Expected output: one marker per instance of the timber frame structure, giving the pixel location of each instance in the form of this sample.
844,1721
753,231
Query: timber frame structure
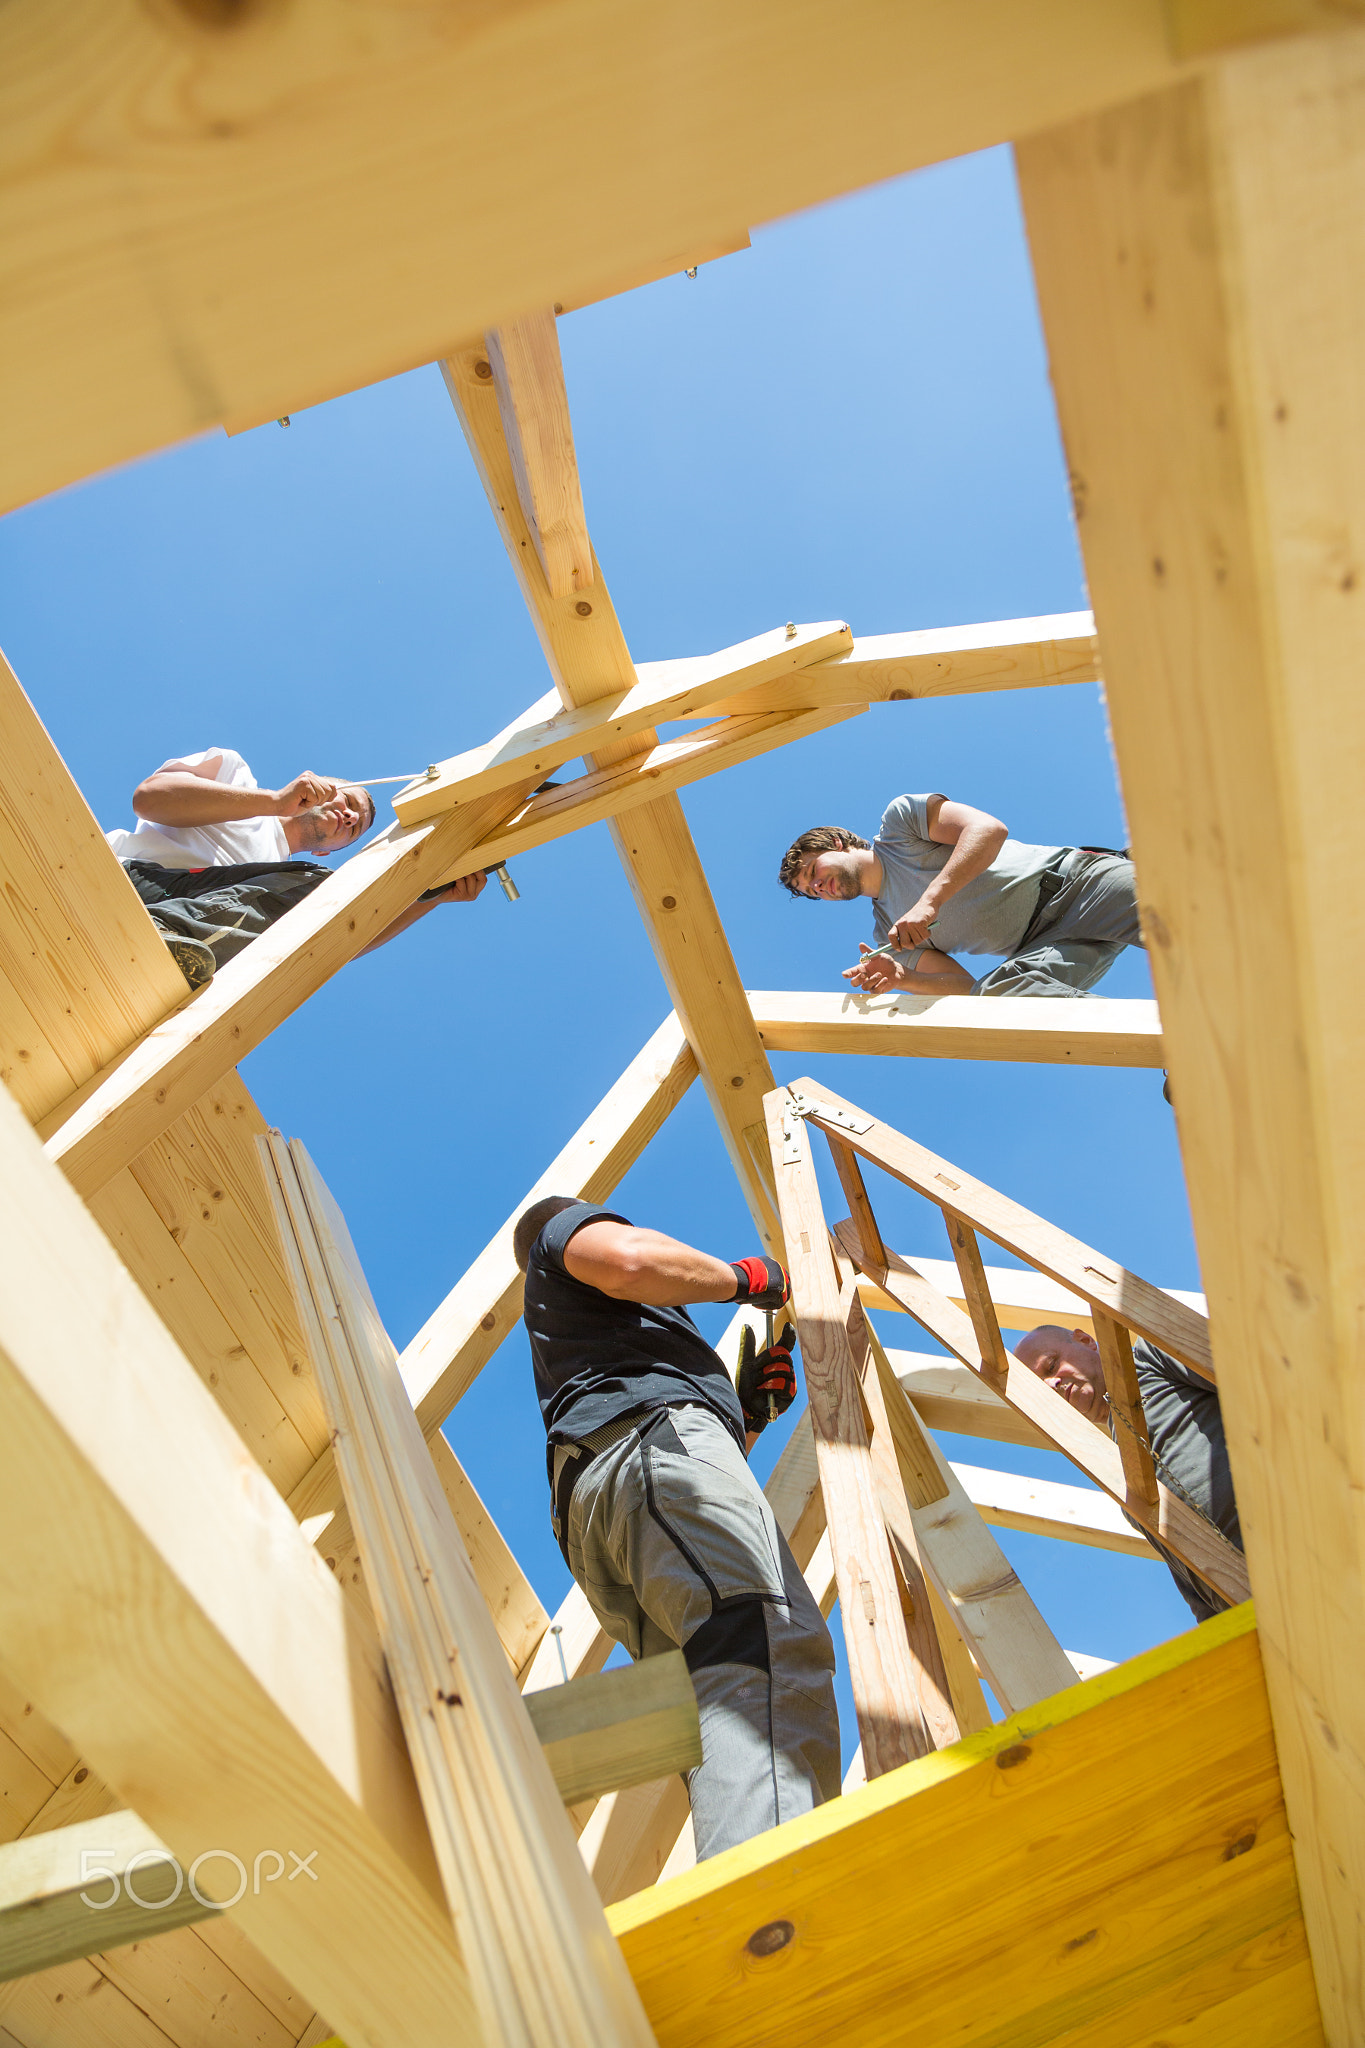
247,1577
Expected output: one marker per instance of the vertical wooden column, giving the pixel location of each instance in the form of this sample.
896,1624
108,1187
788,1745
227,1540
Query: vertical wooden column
543,1967
1200,257
888,1684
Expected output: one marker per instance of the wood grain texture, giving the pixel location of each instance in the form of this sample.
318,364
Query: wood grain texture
1022,1299
894,1721
530,1925
528,375
1188,1836
1209,397
1041,1507
1107,1031
603,1732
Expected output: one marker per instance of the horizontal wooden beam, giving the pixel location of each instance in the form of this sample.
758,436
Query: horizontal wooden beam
948,1396
76,1891
616,1728
192,271
946,661
1041,1507
1038,1030
161,1607
666,690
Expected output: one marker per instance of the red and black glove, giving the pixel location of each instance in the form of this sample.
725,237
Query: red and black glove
766,1380
762,1283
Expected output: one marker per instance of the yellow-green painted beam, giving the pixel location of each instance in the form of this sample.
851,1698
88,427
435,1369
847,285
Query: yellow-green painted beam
1109,1867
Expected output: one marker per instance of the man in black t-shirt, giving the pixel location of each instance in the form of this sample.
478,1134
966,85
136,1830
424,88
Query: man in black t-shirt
656,1511
1184,1425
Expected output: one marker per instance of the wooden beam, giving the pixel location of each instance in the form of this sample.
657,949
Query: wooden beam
529,1923
948,1396
589,660
161,1606
1040,1507
1106,1031
460,1336
537,745
77,1890
158,286
1203,393
946,661
894,1724
1125,1877
107,1123
1193,1539
528,375
1102,1281
1199,27
618,1728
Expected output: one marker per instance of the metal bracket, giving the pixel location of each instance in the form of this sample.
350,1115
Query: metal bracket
826,1113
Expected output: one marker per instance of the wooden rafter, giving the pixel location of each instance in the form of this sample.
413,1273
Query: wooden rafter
1107,1031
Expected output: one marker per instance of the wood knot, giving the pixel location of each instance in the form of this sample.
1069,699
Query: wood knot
773,1936
1018,1753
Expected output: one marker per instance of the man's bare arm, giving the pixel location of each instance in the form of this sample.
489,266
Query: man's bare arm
937,974
976,838
189,796
631,1264
463,891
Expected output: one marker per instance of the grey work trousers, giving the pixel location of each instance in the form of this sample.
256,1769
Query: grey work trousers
1087,913
225,908
674,1545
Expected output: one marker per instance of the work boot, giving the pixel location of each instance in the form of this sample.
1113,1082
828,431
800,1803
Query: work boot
194,959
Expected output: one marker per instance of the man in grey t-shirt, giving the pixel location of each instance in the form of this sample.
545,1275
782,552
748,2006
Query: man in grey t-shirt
1184,1423
945,878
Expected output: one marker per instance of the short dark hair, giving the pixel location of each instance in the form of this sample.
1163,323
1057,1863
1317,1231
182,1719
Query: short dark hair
370,801
533,1220
819,839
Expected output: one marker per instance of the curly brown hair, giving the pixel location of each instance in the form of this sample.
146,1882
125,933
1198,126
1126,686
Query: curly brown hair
819,839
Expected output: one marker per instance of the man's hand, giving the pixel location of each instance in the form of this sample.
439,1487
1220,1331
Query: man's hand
913,929
875,972
762,1283
463,891
766,1381
304,793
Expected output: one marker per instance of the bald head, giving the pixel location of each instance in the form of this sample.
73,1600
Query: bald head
1068,1361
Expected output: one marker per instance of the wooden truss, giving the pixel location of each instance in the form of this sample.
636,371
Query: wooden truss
209,1451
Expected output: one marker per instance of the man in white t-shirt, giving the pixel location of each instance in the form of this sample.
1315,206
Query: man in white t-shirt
211,853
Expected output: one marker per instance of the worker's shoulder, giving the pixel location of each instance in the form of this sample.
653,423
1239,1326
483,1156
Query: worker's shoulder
908,816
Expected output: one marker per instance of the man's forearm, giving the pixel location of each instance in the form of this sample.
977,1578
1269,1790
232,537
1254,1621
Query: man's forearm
180,798
970,857
948,980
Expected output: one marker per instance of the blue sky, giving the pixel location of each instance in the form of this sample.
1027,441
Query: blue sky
851,420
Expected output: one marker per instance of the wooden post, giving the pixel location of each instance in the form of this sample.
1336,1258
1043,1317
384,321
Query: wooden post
892,1718
542,1965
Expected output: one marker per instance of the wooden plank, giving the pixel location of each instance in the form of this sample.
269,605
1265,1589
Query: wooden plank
1196,1542
1041,1507
855,1192
76,2006
964,1680
1023,1299
976,1293
528,376
1008,1637
1188,1835
1125,1406
112,1119
1102,1281
127,268
82,970
589,660
1106,1031
97,1885
183,1984
34,1734
665,690
530,1926
945,661
1234,363
893,1723
162,1608
618,1728
1201,26
460,1336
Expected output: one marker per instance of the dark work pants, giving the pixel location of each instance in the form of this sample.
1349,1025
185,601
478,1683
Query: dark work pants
224,907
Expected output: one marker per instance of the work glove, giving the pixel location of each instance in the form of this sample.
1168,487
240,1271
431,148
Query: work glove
762,1283
766,1381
